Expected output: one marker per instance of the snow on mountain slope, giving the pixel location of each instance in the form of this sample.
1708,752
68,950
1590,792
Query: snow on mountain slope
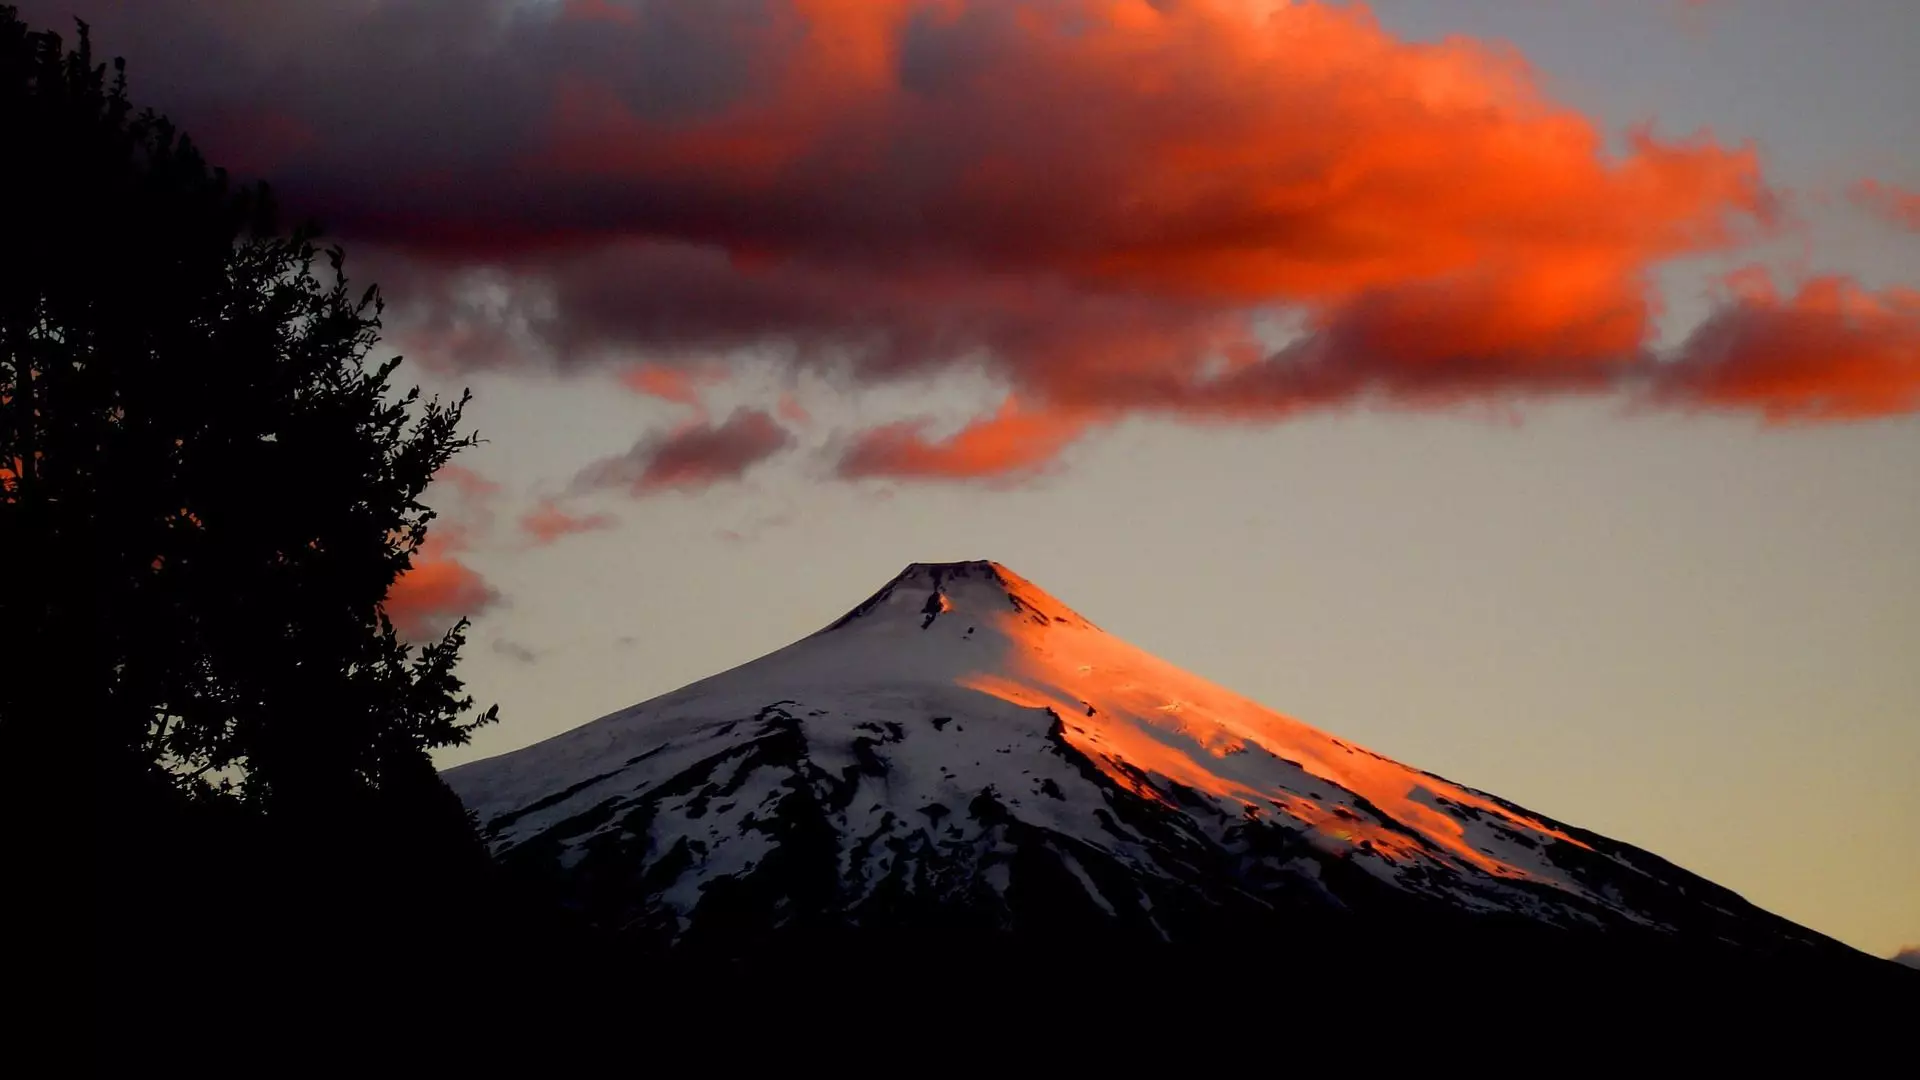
963,746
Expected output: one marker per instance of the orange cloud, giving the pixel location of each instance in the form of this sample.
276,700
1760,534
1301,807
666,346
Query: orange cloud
792,411
547,523
1895,204
1099,202
693,456
1910,956
1239,150
1830,351
1012,441
435,592
666,383
1446,230
438,588
468,483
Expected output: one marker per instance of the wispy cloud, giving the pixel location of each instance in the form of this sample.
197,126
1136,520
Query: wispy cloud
1010,443
514,651
1892,203
547,523
691,457
677,385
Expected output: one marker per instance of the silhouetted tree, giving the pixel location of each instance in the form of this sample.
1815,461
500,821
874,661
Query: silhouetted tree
206,491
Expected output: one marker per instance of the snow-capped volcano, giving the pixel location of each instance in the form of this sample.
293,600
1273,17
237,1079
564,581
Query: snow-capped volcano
963,746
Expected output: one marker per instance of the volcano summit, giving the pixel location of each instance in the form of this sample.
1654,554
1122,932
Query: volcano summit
962,751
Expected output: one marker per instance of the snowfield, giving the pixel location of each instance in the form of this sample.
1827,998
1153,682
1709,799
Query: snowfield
964,746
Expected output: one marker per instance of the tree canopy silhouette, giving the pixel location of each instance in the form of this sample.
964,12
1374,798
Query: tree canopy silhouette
206,486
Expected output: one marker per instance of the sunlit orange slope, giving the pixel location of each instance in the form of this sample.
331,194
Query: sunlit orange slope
1149,725
1133,713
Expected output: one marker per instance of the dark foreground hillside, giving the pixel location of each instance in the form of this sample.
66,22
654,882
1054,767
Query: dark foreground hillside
327,963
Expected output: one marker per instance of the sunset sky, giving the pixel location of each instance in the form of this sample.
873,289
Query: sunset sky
1525,390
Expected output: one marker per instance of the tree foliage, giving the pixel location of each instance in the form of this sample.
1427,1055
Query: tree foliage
206,488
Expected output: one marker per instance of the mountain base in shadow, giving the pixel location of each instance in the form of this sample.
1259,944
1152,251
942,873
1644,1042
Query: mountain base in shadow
354,980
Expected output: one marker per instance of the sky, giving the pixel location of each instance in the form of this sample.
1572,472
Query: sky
1524,390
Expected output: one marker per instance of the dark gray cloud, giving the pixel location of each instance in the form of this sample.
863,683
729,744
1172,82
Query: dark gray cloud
694,456
513,650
